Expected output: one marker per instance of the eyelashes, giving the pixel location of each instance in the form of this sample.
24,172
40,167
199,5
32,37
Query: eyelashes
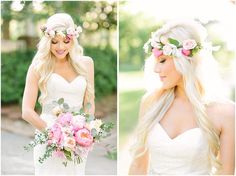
163,61
66,42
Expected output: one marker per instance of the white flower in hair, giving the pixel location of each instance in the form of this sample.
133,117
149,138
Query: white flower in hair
52,33
169,49
146,46
155,44
46,34
70,31
156,36
78,30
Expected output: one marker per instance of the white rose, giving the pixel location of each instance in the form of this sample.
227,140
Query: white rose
79,29
70,31
155,44
78,121
52,33
95,124
156,36
189,44
57,110
169,49
70,143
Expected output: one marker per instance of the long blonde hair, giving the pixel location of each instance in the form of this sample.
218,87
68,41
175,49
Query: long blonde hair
43,62
155,103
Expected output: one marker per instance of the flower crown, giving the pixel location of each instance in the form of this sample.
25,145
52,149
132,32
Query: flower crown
171,47
68,33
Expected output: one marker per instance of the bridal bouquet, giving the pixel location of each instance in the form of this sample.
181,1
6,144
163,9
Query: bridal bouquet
72,135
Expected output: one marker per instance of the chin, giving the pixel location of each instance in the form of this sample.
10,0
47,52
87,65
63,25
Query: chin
166,86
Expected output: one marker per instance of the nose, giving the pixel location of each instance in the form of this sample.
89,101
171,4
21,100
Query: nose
157,68
60,45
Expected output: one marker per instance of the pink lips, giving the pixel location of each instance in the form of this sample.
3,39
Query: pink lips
60,52
162,78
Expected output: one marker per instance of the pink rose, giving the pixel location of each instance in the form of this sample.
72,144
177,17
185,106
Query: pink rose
156,52
83,137
186,52
189,44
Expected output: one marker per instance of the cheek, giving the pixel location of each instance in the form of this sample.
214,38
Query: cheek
173,76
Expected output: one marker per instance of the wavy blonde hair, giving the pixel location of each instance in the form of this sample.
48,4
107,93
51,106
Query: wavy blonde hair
43,62
198,84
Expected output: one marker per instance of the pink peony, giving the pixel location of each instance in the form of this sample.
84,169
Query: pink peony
189,44
56,134
157,52
186,52
65,118
83,137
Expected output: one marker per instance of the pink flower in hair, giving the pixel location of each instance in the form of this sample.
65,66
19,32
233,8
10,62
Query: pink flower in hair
189,44
186,52
156,52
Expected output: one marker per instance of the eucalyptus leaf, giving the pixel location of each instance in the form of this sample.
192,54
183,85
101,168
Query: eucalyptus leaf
94,132
66,106
60,101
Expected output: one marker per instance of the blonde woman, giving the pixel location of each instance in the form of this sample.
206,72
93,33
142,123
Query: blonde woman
59,70
185,127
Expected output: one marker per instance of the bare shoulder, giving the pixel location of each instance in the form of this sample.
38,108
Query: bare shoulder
86,60
222,113
32,73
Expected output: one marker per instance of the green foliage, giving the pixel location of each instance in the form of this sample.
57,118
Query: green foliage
105,63
15,66
174,42
14,69
129,108
134,32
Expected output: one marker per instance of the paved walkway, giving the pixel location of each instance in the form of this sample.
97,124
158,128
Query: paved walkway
15,160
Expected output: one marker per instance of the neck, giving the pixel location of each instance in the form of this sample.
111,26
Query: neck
180,92
61,61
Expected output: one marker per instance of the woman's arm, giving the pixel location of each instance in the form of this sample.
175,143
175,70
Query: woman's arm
88,62
139,166
29,100
227,140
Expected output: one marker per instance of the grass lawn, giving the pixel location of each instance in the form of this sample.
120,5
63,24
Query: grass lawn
130,93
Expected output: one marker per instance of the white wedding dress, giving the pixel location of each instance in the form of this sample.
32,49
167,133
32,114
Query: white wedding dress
73,94
186,154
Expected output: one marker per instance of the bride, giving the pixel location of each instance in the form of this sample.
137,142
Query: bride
59,70
184,126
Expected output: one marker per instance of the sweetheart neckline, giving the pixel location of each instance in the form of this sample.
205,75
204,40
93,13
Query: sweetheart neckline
68,82
179,135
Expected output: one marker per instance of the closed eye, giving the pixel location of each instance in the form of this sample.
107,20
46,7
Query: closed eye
67,41
163,61
54,42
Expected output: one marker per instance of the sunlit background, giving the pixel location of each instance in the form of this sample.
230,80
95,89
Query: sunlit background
137,19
